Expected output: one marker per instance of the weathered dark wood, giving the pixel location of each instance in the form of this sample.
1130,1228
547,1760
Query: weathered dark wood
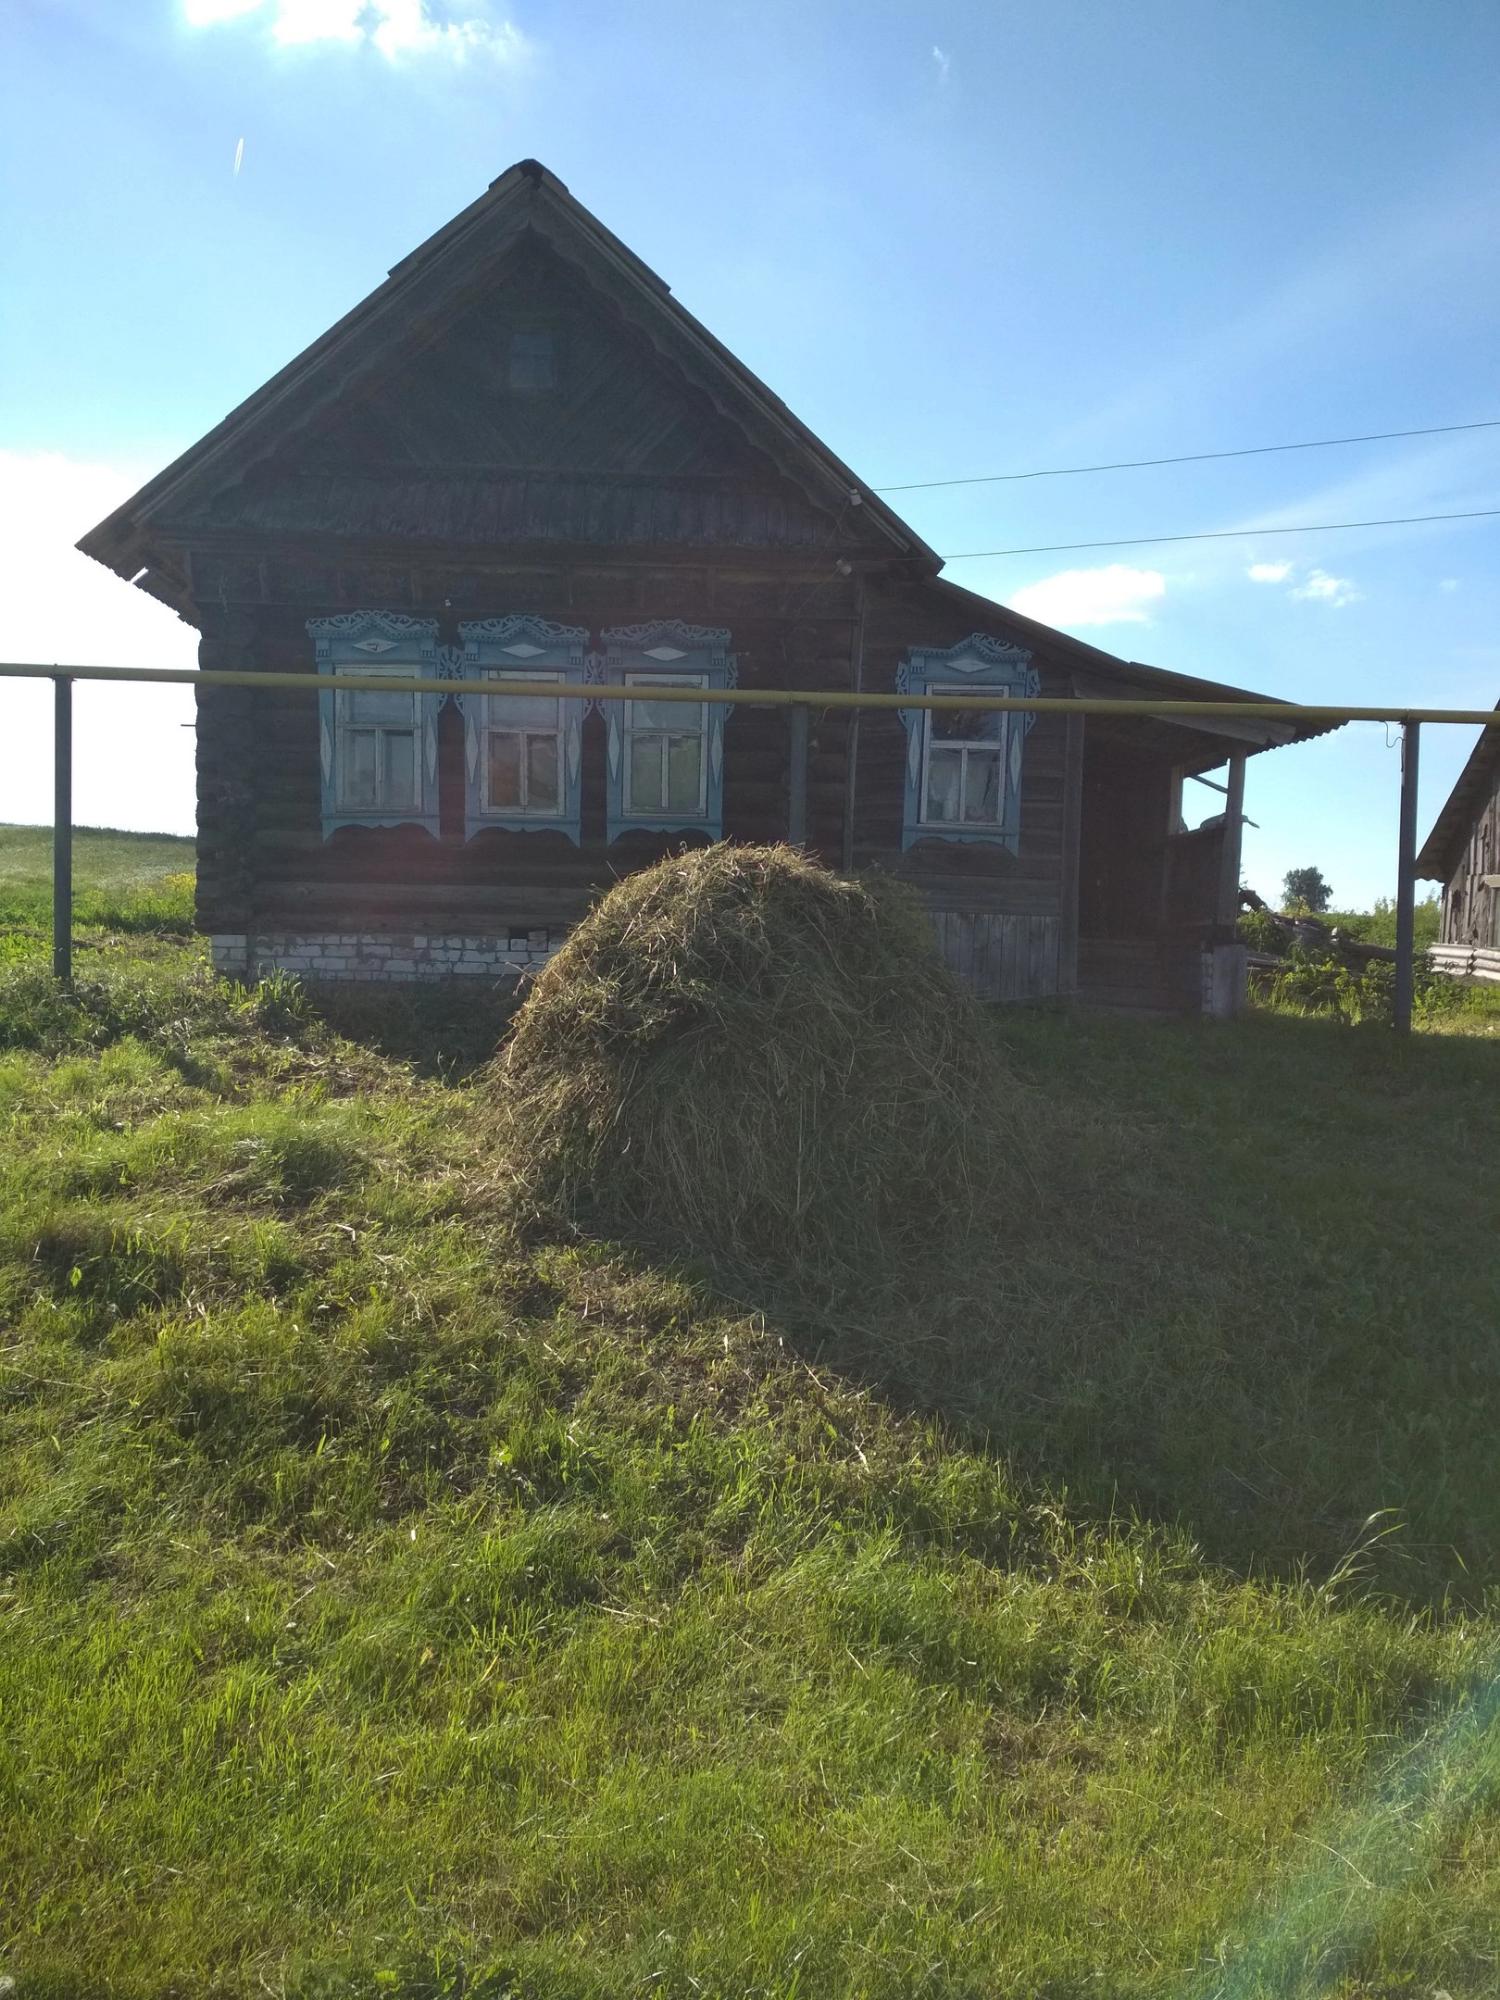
796,809
231,763
1194,877
1122,840
1230,851
1465,844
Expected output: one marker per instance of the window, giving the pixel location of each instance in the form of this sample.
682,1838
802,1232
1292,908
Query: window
523,752
665,766
378,746
521,767
963,768
532,362
375,754
961,776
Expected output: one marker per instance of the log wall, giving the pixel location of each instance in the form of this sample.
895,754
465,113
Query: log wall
267,869
266,866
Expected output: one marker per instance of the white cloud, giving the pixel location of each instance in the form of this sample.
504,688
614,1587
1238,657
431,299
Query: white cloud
1321,588
203,13
133,762
1113,595
944,63
300,21
1449,583
396,28
406,27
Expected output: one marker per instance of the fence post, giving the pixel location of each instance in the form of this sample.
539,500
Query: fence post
796,809
1227,898
62,826
1406,877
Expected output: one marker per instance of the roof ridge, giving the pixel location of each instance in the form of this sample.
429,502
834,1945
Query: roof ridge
543,203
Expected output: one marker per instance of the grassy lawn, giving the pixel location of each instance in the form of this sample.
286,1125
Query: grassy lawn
123,881
393,1603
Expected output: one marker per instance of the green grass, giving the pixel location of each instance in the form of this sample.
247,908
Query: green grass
132,882
390,1605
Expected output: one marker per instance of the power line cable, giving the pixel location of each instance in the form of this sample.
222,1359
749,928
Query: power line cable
1226,534
1186,458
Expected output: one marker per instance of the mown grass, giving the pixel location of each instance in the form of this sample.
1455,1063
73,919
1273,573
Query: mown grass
392,1604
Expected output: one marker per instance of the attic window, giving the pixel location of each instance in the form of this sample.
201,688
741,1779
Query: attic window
532,362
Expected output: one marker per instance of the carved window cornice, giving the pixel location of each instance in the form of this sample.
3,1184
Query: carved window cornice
522,630
375,641
663,647
374,633
980,661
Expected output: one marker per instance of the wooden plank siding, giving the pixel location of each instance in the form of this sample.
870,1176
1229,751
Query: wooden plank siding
954,875
1471,895
628,452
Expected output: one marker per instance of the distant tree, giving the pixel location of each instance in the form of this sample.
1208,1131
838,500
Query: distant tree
1306,891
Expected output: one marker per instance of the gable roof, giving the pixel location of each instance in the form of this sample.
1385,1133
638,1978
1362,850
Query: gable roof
427,287
1450,831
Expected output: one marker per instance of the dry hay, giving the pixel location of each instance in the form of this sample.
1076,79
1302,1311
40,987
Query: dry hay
742,1059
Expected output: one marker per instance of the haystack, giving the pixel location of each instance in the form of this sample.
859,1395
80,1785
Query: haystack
741,1059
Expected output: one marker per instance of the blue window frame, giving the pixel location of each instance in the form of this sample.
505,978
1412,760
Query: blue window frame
963,771
665,766
377,748
523,754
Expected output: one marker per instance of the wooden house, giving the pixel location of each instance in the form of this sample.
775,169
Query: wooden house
1463,853
520,457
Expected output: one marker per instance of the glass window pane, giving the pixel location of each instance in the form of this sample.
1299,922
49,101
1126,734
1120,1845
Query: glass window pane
504,772
541,773
664,715
684,773
645,774
371,708
357,758
531,360
400,769
982,788
523,711
943,768
966,726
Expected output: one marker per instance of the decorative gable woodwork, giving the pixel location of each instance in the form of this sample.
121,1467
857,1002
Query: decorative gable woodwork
443,445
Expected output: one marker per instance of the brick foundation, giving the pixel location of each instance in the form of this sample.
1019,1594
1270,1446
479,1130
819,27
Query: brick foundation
382,955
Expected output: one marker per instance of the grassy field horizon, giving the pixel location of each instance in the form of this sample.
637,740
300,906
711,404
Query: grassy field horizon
396,1600
117,857
134,882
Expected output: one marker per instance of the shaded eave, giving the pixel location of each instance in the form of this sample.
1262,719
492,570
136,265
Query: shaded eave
525,196
1204,742
1450,830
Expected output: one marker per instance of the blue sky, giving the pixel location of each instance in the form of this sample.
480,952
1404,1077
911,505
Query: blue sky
958,239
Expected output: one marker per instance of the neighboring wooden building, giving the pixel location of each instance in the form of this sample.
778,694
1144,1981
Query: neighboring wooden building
521,457
1463,853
